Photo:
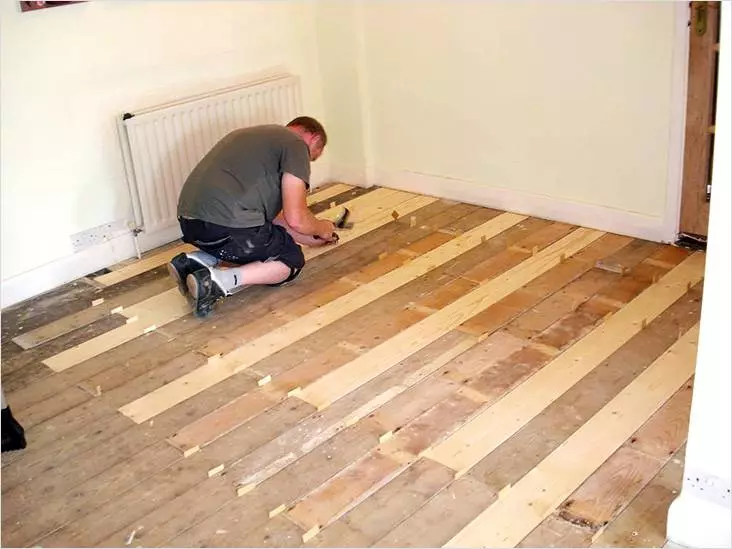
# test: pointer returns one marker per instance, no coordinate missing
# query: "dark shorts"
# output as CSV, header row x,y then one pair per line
x,y
241,246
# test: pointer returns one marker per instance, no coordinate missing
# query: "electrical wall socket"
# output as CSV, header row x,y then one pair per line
x,y
708,487
98,235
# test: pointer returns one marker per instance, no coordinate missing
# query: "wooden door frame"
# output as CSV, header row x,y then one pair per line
x,y
699,135
671,221
677,134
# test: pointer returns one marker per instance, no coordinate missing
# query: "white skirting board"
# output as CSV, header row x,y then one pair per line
x,y
66,269
576,213
695,521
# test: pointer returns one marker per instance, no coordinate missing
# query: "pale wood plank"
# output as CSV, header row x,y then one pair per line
x,y
245,356
494,426
318,195
155,311
533,498
89,315
336,384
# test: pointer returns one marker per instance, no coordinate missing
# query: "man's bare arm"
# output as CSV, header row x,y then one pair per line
x,y
297,215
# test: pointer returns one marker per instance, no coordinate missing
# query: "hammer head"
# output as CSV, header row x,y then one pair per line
x,y
341,221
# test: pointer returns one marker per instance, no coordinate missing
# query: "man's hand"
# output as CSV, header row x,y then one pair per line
x,y
327,231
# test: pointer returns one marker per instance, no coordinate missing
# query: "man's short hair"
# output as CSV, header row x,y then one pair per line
x,y
310,125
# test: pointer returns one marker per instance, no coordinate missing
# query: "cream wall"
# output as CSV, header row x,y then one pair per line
x,y
559,109
340,61
68,71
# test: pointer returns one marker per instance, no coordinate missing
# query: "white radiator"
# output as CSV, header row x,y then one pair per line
x,y
161,145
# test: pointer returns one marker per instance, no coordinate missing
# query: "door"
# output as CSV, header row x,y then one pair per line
x,y
701,100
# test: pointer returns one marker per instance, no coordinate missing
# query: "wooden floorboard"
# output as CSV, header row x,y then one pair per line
x,y
448,375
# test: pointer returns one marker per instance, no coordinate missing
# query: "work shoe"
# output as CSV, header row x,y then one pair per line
x,y
179,268
204,292
13,437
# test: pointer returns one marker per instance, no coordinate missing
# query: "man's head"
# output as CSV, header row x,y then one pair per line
x,y
312,132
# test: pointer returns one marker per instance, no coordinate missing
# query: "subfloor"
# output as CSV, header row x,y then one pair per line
x,y
446,375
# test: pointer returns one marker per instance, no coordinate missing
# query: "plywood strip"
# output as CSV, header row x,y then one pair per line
x,y
329,192
161,258
156,311
534,497
364,368
499,422
258,349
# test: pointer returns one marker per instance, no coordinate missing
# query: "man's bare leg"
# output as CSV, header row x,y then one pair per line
x,y
236,277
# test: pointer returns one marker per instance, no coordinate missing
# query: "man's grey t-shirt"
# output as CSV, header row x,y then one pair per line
x,y
238,183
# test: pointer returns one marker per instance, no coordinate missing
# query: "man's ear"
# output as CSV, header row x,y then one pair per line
x,y
316,141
